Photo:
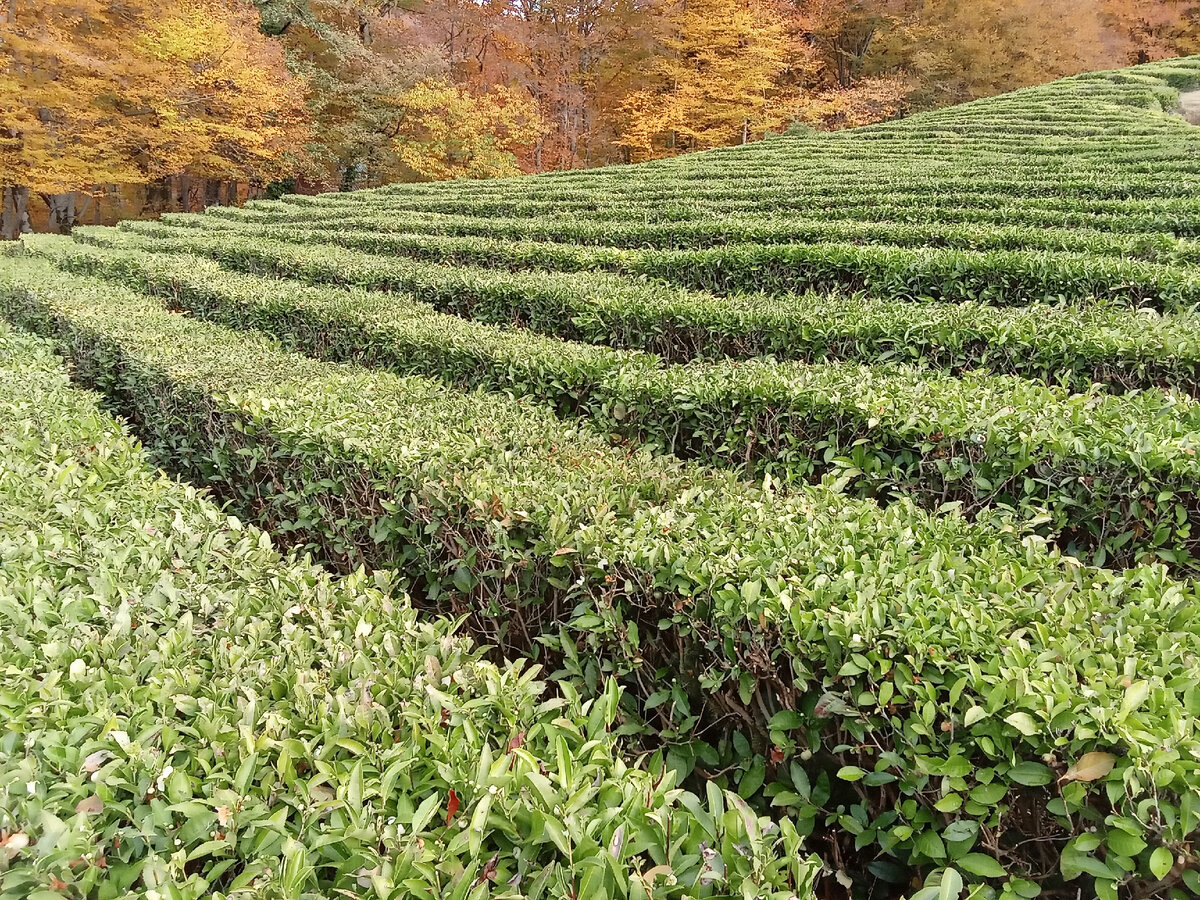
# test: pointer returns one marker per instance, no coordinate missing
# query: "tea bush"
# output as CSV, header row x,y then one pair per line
x,y
850,641
189,714
976,440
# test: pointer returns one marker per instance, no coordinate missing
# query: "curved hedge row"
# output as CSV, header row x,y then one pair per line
x,y
1100,485
910,685
413,233
1073,345
996,277
187,711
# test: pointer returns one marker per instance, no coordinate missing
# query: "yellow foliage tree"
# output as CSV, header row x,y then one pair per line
x,y
50,139
716,82
104,91
218,94
960,50
442,131
868,100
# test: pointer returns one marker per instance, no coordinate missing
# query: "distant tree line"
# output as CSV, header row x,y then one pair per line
x,y
203,102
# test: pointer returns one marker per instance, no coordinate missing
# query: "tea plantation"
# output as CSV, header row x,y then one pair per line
x,y
813,518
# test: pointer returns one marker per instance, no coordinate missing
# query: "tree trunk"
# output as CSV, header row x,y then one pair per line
x,y
178,193
158,197
61,212
82,209
14,213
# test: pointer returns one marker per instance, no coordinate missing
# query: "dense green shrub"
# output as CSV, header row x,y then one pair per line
x,y
190,714
977,440
910,684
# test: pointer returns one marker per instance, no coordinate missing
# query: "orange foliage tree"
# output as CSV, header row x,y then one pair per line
x,y
96,91
1148,31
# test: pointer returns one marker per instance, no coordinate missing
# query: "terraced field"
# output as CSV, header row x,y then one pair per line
x,y
847,481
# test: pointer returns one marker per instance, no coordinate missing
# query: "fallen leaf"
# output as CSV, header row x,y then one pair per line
x,y
90,805
451,806
1090,767
94,761
14,843
517,743
488,873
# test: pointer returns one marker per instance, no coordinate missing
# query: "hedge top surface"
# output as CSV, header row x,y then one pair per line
x,y
832,574
188,711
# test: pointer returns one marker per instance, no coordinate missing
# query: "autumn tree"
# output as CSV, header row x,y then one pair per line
x,y
959,50
839,35
56,133
215,94
97,91
715,81
357,58
384,104
1144,32
577,59
442,131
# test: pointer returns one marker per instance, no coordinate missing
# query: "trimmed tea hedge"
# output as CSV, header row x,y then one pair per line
x,y
980,440
1074,345
910,685
997,277
417,235
188,713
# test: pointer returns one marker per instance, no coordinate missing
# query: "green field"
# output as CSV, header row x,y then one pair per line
x,y
824,509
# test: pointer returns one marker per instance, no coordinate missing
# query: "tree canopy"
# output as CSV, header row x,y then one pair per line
x,y
335,94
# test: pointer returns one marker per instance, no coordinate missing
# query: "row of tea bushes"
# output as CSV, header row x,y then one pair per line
x,y
906,686
996,277
979,441
408,231
867,207
188,714
1074,346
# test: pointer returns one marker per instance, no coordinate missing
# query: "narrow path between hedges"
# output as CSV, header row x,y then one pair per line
x,y
1189,106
